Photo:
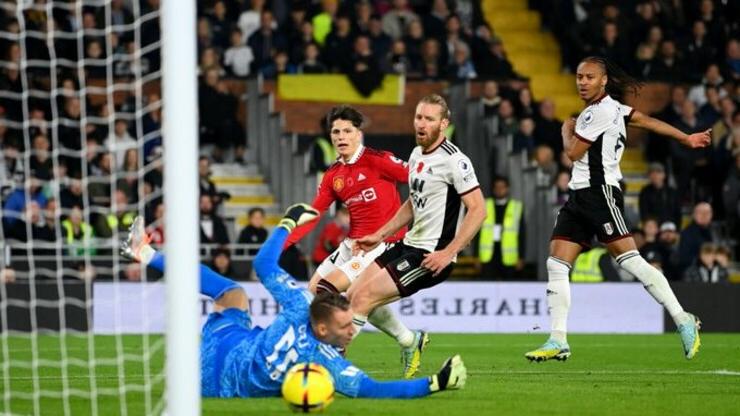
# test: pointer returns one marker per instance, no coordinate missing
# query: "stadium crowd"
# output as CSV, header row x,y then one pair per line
x,y
48,176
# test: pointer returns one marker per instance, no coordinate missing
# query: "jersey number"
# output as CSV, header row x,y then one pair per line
x,y
621,142
291,356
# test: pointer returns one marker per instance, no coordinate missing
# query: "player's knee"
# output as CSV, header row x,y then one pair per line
x,y
324,285
557,269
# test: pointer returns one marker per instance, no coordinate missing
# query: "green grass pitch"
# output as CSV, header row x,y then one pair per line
x,y
607,375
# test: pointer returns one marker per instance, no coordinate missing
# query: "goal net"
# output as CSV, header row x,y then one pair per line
x,y
81,329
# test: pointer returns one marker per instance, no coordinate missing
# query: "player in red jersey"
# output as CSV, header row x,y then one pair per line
x,y
364,179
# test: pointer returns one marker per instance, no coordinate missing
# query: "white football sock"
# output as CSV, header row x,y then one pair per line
x,y
358,321
558,297
384,319
655,283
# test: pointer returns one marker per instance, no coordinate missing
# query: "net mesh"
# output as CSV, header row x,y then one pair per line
x,y
80,134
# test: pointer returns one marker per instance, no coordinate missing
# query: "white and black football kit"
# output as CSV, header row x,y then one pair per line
x,y
596,204
437,181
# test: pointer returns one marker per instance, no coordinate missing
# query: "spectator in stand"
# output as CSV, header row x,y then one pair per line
x,y
657,199
397,19
221,263
381,43
255,231
696,234
77,234
238,57
397,61
119,219
363,14
265,42
525,105
15,203
732,59
212,227
547,131
689,163
322,22
612,45
431,68
712,79
99,188
120,142
524,138
668,66
699,50
41,163
705,268
311,63
249,20
414,38
434,21
731,196
331,236
338,44
461,68
490,99
454,37
668,249
220,25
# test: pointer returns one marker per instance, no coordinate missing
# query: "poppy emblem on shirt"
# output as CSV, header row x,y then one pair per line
x,y
338,183
419,167
355,266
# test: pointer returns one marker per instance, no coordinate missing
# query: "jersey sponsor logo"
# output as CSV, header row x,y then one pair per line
x,y
369,194
417,185
464,166
404,265
608,228
360,177
418,201
419,167
338,183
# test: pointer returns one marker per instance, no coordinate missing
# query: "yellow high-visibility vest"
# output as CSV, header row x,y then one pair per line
x,y
587,267
327,150
78,247
509,233
126,220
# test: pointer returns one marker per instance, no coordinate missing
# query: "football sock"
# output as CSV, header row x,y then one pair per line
x,y
654,282
558,297
385,320
358,321
211,283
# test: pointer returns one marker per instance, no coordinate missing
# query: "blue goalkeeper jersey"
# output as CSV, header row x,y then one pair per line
x,y
239,360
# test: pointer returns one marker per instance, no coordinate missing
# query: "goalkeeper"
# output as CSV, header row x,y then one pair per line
x,y
242,360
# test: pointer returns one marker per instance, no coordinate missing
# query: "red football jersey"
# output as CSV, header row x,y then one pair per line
x,y
367,186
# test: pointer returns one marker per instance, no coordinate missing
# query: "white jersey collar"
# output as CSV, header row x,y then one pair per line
x,y
354,157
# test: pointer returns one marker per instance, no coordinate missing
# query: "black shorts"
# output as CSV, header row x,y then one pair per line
x,y
404,265
595,211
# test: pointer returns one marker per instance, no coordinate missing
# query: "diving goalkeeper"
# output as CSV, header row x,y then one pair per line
x,y
242,360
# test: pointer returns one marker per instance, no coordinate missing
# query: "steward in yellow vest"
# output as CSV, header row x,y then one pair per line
x,y
587,268
501,239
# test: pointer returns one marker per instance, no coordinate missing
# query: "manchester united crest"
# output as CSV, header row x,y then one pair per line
x,y
338,183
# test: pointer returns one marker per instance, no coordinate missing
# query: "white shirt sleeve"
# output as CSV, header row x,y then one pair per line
x,y
462,174
592,122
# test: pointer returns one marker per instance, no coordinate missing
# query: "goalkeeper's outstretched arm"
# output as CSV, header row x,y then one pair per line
x,y
281,285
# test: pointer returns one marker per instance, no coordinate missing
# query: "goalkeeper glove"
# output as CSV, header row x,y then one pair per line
x,y
451,376
296,215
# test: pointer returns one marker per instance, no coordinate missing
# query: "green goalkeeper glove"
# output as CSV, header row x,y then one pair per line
x,y
451,376
296,215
